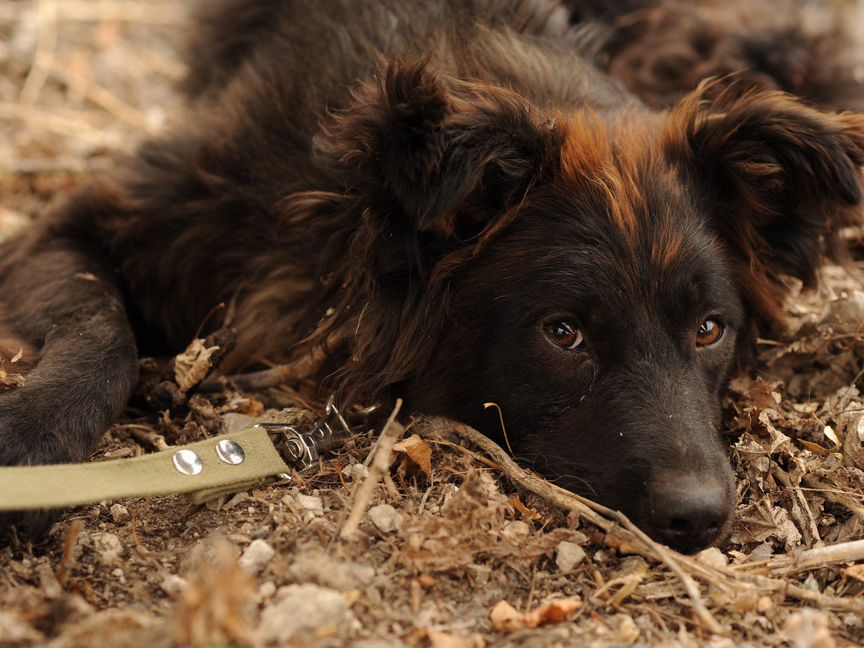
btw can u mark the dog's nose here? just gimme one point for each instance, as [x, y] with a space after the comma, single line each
[689, 512]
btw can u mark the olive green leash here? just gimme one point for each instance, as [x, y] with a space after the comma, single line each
[225, 464]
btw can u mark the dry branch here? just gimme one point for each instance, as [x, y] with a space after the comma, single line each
[391, 433]
[303, 367]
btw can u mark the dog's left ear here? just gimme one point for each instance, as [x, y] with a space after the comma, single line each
[776, 179]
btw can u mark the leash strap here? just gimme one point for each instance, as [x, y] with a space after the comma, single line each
[225, 464]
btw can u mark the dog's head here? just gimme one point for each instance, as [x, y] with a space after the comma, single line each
[593, 275]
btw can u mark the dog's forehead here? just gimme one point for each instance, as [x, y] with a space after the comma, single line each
[625, 196]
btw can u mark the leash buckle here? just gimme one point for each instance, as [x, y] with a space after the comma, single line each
[301, 445]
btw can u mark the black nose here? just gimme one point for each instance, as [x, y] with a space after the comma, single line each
[689, 512]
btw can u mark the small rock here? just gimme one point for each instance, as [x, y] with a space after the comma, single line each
[173, 584]
[107, 547]
[385, 518]
[267, 590]
[257, 555]
[712, 557]
[568, 555]
[516, 530]
[809, 627]
[311, 503]
[847, 312]
[236, 422]
[356, 472]
[302, 612]
[762, 552]
[318, 567]
[119, 513]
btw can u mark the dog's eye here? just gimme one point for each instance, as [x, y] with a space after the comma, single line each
[563, 334]
[710, 332]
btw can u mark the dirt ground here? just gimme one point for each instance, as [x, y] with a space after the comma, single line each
[449, 535]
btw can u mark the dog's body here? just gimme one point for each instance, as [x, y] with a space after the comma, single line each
[472, 211]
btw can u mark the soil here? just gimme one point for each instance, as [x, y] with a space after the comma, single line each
[449, 536]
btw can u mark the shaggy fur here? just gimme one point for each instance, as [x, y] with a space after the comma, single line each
[662, 50]
[436, 189]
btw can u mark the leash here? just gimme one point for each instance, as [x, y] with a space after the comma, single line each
[222, 465]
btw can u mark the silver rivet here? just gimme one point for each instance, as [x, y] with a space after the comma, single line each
[187, 462]
[230, 452]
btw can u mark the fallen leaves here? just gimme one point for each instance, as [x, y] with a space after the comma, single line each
[8, 379]
[193, 365]
[413, 453]
[505, 618]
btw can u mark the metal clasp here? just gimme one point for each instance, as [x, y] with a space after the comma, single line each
[301, 445]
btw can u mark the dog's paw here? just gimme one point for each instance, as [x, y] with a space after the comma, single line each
[27, 437]
[25, 526]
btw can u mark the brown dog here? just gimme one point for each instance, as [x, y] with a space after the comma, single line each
[478, 210]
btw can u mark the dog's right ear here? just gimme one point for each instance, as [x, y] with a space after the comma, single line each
[433, 156]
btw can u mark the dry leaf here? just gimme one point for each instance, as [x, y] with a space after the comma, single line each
[414, 451]
[854, 571]
[10, 380]
[506, 618]
[193, 365]
[446, 640]
[519, 505]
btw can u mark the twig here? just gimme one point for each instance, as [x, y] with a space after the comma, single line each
[43, 60]
[147, 435]
[107, 100]
[835, 497]
[592, 511]
[114, 10]
[391, 433]
[818, 557]
[273, 377]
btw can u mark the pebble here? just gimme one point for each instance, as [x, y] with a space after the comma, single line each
[517, 530]
[107, 547]
[302, 613]
[257, 555]
[568, 555]
[236, 422]
[385, 518]
[355, 472]
[173, 584]
[712, 557]
[311, 503]
[318, 567]
[119, 513]
[267, 590]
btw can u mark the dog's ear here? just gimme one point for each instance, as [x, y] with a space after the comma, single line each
[777, 179]
[434, 156]
[430, 168]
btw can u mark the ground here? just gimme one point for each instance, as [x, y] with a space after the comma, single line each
[451, 533]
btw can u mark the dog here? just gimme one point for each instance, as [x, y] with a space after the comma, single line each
[467, 210]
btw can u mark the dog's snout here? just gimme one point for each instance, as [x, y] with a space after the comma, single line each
[689, 512]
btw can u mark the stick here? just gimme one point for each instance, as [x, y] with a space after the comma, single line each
[391, 433]
[583, 506]
[819, 557]
[273, 377]
[43, 61]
